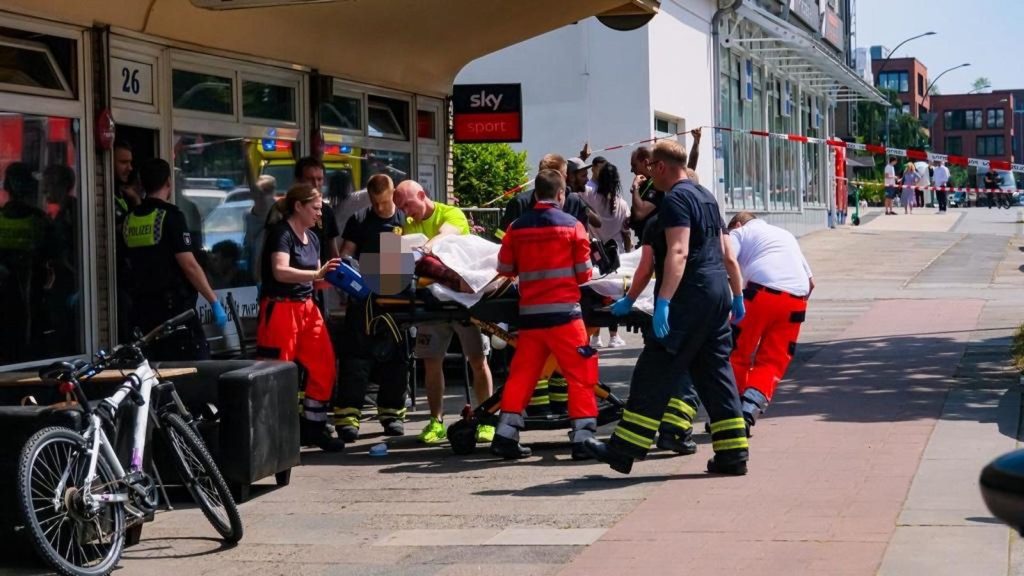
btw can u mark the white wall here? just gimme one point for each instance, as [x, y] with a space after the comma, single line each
[682, 72]
[581, 83]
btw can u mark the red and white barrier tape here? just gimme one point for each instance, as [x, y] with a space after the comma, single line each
[940, 188]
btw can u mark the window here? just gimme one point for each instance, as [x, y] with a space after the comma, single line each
[920, 85]
[894, 81]
[665, 127]
[426, 124]
[40, 243]
[343, 111]
[202, 92]
[268, 101]
[954, 145]
[961, 119]
[387, 118]
[906, 108]
[995, 117]
[991, 146]
[35, 63]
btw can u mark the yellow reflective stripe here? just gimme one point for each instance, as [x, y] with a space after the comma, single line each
[499, 234]
[730, 424]
[391, 412]
[555, 397]
[541, 385]
[302, 395]
[643, 421]
[682, 407]
[635, 439]
[676, 421]
[347, 421]
[347, 412]
[730, 444]
[538, 400]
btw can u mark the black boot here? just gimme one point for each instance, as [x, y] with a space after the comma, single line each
[680, 444]
[317, 434]
[393, 427]
[348, 434]
[509, 449]
[730, 466]
[579, 452]
[603, 453]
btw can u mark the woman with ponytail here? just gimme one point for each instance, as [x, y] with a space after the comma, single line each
[606, 201]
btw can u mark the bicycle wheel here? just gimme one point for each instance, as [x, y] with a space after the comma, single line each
[202, 477]
[74, 539]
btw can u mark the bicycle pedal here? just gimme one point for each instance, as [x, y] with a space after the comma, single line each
[143, 515]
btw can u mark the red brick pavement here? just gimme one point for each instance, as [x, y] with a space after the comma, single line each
[831, 463]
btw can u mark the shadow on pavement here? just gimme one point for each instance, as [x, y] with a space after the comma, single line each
[588, 483]
[152, 549]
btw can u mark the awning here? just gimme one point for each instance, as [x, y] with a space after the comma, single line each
[797, 55]
[860, 161]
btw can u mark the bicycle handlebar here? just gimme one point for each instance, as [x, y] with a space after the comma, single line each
[168, 325]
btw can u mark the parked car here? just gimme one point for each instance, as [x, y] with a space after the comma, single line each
[205, 200]
[226, 222]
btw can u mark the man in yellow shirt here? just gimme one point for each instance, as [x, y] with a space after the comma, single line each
[436, 220]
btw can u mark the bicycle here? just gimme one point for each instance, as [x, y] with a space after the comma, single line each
[72, 490]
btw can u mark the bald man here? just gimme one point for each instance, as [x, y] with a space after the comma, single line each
[436, 220]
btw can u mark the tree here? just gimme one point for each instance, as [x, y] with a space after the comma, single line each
[934, 91]
[483, 171]
[981, 82]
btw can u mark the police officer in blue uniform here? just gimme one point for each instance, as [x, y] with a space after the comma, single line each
[165, 275]
[697, 278]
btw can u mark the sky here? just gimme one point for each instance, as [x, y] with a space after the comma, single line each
[983, 32]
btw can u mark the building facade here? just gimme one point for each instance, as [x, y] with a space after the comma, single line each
[909, 78]
[765, 66]
[975, 125]
[224, 96]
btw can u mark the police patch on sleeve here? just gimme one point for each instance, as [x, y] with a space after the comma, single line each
[186, 238]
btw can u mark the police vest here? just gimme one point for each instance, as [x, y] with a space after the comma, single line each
[144, 231]
[19, 234]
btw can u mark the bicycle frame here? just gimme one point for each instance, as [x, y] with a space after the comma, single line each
[147, 378]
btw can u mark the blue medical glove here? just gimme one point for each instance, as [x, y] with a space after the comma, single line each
[220, 317]
[622, 306]
[661, 318]
[738, 309]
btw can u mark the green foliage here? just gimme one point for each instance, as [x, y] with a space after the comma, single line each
[904, 130]
[483, 171]
[872, 192]
[1017, 349]
[981, 82]
[958, 176]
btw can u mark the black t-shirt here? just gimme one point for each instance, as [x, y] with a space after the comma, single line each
[524, 202]
[648, 193]
[154, 233]
[365, 227]
[326, 231]
[281, 238]
[692, 206]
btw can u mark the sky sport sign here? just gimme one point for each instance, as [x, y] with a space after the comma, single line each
[488, 113]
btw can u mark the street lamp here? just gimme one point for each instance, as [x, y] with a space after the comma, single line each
[927, 93]
[882, 68]
[985, 87]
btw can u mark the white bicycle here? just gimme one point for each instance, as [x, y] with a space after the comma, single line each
[76, 498]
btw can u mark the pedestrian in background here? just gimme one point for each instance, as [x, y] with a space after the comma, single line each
[606, 201]
[910, 180]
[890, 186]
[941, 181]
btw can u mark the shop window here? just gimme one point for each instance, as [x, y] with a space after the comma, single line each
[223, 214]
[344, 112]
[397, 165]
[268, 101]
[202, 92]
[387, 118]
[426, 125]
[40, 239]
[37, 63]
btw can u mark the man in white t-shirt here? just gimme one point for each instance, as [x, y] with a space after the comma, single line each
[941, 181]
[890, 186]
[779, 282]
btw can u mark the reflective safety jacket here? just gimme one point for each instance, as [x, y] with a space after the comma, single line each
[550, 252]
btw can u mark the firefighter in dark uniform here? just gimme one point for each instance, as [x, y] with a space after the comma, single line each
[697, 277]
[165, 275]
[372, 345]
[25, 249]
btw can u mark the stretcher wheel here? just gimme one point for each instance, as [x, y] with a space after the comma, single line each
[462, 436]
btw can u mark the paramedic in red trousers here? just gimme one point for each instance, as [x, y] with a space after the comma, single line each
[697, 284]
[549, 251]
[290, 325]
[779, 281]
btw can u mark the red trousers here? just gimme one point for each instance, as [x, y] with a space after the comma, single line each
[565, 343]
[766, 338]
[295, 331]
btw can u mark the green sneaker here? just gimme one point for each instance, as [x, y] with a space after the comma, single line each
[485, 433]
[433, 432]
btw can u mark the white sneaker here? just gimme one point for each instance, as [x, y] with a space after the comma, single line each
[595, 342]
[616, 342]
